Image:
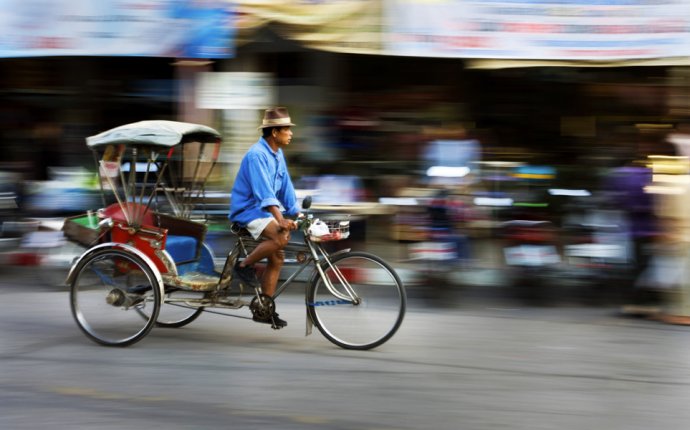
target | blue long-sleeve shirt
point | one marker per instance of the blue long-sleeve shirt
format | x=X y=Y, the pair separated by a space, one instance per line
x=263 y=180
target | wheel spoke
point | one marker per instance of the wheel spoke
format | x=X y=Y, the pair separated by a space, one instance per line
x=172 y=313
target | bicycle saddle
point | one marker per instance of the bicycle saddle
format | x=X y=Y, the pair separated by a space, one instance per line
x=239 y=229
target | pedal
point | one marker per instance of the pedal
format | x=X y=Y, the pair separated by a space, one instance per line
x=275 y=326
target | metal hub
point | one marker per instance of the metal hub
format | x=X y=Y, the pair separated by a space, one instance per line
x=118 y=298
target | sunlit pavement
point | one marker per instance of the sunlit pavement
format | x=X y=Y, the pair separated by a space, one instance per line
x=486 y=366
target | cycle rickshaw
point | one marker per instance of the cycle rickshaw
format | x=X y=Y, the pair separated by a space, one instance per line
x=147 y=263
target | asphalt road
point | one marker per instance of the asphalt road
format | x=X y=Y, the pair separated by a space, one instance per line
x=473 y=367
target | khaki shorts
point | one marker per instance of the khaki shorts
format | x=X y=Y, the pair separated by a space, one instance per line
x=257 y=226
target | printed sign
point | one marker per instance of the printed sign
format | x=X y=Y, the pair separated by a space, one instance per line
x=234 y=90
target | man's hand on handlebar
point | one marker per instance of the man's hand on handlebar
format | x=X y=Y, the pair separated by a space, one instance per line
x=283 y=223
x=287 y=224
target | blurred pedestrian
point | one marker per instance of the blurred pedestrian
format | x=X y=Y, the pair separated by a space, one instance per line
x=626 y=186
x=673 y=207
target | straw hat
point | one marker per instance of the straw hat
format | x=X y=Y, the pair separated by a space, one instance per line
x=276 y=117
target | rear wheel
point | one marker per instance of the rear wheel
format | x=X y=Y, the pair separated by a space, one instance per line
x=177 y=309
x=112 y=288
x=365 y=315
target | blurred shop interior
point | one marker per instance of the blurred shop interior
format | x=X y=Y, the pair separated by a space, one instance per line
x=365 y=115
x=445 y=149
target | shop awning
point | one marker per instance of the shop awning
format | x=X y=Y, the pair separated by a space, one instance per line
x=347 y=26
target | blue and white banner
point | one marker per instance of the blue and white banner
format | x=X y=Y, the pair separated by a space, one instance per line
x=538 y=29
x=154 y=28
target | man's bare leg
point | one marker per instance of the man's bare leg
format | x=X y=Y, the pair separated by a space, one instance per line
x=269 y=280
x=271 y=249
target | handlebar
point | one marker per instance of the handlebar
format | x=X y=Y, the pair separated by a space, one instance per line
x=304 y=219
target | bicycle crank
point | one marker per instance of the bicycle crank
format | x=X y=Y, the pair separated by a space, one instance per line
x=262 y=306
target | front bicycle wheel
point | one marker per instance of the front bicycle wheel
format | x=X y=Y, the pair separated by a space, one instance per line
x=108 y=294
x=365 y=305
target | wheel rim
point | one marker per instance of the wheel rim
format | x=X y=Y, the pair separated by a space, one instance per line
x=369 y=323
x=109 y=288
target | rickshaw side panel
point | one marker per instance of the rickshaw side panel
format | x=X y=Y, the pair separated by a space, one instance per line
x=149 y=240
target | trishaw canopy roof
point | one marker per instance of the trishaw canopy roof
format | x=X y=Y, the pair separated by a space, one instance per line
x=152 y=132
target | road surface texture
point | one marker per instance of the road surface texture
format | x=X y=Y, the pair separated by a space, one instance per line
x=486 y=366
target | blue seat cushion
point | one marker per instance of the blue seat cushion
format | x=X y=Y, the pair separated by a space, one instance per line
x=181 y=248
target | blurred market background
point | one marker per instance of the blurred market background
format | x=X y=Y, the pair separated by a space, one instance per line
x=506 y=148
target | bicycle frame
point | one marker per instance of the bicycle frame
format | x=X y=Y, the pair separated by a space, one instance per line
x=316 y=254
x=313 y=255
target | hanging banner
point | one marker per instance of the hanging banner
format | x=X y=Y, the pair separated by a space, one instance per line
x=162 y=28
x=351 y=26
x=538 y=29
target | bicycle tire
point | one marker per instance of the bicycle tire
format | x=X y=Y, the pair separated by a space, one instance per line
x=363 y=325
x=101 y=298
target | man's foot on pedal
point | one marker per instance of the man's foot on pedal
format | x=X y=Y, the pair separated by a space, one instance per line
x=246 y=274
x=274 y=320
